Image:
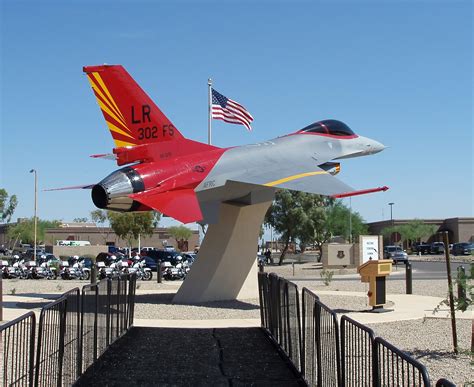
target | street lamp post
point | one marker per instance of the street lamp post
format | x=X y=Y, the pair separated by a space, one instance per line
x=350 y=219
x=36 y=209
x=391 y=221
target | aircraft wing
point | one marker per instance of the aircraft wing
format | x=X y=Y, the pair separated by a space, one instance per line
x=313 y=180
x=276 y=169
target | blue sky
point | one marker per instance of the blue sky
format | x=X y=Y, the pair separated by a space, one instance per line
x=396 y=71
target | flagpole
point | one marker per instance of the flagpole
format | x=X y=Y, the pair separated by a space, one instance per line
x=209 y=131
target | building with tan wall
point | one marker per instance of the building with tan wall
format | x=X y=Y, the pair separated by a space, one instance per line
x=105 y=236
x=459 y=229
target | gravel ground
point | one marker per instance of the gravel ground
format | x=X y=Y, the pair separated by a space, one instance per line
x=159 y=306
x=430 y=342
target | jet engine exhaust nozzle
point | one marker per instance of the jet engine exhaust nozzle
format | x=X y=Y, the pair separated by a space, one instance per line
x=99 y=196
x=112 y=192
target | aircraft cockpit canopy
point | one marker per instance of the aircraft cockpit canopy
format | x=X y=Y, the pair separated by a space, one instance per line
x=331 y=127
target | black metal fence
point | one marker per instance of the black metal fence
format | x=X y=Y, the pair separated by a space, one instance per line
x=325 y=355
x=50 y=347
x=395 y=368
x=73 y=331
x=356 y=353
x=17 y=350
x=309 y=367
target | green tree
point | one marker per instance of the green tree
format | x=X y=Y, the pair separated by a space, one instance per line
x=80 y=220
x=156 y=218
x=314 y=227
x=311 y=219
x=289 y=217
x=25 y=231
x=338 y=218
x=414 y=230
x=100 y=217
x=129 y=225
x=181 y=234
x=7 y=205
x=464 y=302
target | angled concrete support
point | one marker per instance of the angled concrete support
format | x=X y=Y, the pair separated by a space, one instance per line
x=226 y=267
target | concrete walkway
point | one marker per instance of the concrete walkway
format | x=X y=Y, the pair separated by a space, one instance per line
x=191 y=357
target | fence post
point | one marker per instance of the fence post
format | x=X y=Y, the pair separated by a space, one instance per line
x=317 y=324
x=158 y=272
x=32 y=350
x=94 y=273
x=409 y=278
x=96 y=316
x=461 y=279
x=107 y=319
x=375 y=365
x=62 y=334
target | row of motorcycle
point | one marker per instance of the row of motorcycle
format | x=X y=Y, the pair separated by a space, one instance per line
x=75 y=269
x=42 y=268
x=116 y=266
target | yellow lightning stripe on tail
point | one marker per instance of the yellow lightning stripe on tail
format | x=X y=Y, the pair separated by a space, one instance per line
x=113 y=128
x=108 y=111
x=102 y=84
x=123 y=143
x=294 y=177
x=109 y=108
x=107 y=101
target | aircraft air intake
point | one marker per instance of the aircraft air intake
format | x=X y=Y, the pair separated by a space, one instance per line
x=112 y=192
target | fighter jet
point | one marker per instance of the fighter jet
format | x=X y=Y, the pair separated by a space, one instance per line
x=187 y=180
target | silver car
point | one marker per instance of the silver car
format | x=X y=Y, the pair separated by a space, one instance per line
x=396 y=253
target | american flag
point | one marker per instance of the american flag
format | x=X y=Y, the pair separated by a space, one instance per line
x=225 y=109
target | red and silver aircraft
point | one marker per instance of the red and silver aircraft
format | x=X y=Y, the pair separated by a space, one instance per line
x=188 y=180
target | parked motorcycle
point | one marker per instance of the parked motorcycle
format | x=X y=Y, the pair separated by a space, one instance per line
x=19 y=269
x=4 y=268
x=36 y=272
x=81 y=272
x=139 y=268
x=172 y=273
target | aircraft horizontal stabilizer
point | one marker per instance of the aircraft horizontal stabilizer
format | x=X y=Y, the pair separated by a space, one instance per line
x=181 y=204
x=105 y=156
x=87 y=186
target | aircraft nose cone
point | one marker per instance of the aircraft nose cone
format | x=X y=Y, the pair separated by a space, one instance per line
x=376 y=147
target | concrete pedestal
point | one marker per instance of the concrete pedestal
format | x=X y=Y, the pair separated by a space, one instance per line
x=226 y=267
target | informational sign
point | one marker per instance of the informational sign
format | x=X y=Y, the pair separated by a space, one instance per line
x=370 y=247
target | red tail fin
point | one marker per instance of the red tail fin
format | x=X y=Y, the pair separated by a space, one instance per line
x=132 y=117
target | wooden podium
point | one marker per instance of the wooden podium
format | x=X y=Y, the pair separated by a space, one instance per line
x=374 y=272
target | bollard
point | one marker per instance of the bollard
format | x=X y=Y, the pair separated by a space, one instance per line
x=260 y=267
x=158 y=272
x=293 y=267
x=409 y=278
x=461 y=280
x=93 y=273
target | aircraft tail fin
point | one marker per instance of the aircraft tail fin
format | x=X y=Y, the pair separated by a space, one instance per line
x=132 y=117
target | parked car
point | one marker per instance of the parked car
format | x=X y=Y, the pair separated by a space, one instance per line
x=29 y=253
x=463 y=248
x=423 y=248
x=162 y=255
x=396 y=253
x=437 y=248
x=150 y=263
